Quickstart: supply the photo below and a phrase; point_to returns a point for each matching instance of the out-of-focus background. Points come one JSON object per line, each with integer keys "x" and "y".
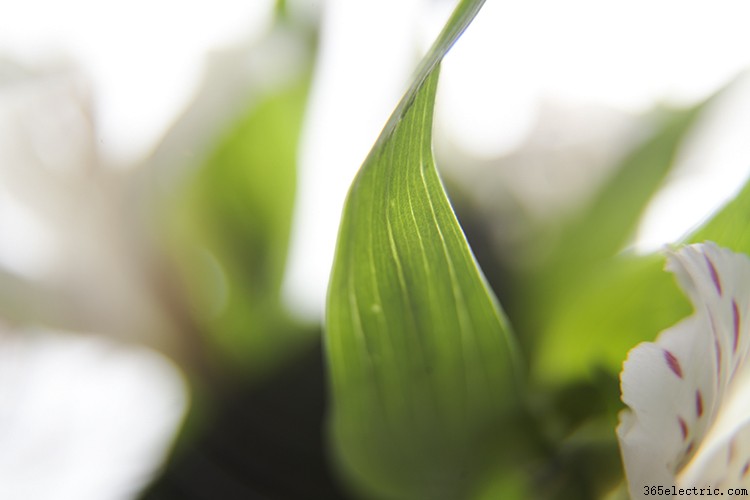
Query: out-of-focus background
{"x": 151, "y": 283}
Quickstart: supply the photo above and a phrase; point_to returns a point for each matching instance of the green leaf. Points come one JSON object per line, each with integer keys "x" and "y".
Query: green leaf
{"x": 231, "y": 228}
{"x": 424, "y": 368}
{"x": 601, "y": 311}
{"x": 596, "y": 305}
{"x": 627, "y": 301}
{"x": 604, "y": 227}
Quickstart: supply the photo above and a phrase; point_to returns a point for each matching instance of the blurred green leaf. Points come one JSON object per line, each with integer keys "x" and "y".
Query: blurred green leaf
{"x": 233, "y": 227}
{"x": 502, "y": 486}
{"x": 596, "y": 305}
{"x": 423, "y": 364}
{"x": 602, "y": 228}
{"x": 628, "y": 300}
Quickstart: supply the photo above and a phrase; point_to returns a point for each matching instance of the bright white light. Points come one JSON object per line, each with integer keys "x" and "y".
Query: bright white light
{"x": 629, "y": 56}
{"x": 82, "y": 418}
{"x": 29, "y": 247}
{"x": 489, "y": 92}
{"x": 144, "y": 57}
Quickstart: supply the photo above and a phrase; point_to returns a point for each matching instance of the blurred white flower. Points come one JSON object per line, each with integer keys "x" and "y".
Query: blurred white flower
{"x": 66, "y": 220}
{"x": 81, "y": 416}
{"x": 688, "y": 422}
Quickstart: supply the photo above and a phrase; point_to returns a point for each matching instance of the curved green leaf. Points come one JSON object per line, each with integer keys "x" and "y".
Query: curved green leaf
{"x": 423, "y": 365}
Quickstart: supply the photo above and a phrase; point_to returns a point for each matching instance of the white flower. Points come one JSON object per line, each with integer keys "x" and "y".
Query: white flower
{"x": 688, "y": 422}
{"x": 83, "y": 416}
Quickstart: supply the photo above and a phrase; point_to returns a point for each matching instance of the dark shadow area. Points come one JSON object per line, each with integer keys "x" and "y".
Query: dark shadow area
{"x": 267, "y": 442}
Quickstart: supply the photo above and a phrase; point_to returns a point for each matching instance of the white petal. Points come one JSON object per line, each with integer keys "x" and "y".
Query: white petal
{"x": 675, "y": 387}
{"x": 717, "y": 281}
{"x": 725, "y": 465}
{"x": 669, "y": 387}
